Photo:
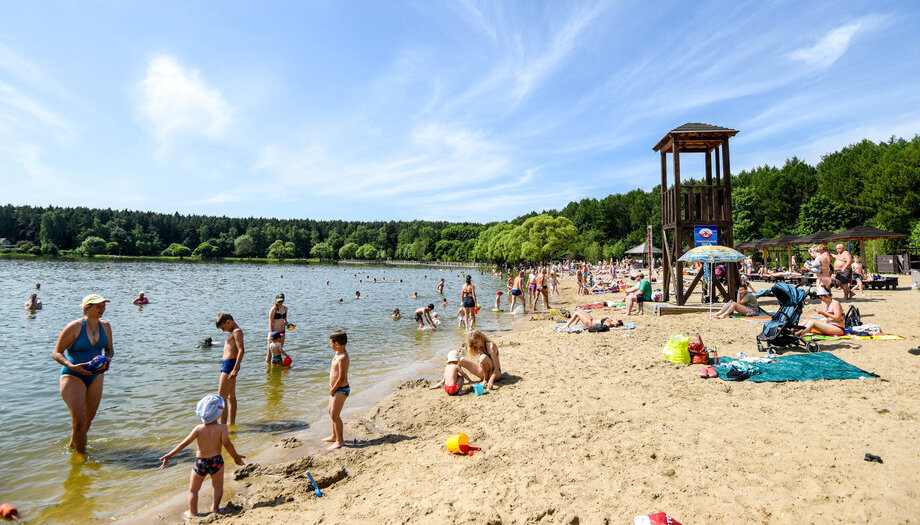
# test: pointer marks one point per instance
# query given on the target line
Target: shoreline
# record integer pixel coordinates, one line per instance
(598, 427)
(291, 446)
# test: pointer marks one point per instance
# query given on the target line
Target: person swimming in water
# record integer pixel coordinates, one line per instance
(396, 314)
(34, 303)
(141, 299)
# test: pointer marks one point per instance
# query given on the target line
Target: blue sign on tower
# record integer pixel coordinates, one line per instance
(705, 235)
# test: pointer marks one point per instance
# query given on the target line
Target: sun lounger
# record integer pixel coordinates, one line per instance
(888, 283)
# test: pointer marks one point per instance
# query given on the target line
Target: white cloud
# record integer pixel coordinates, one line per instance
(830, 48)
(177, 101)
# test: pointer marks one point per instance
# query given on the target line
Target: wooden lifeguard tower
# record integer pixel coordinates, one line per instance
(685, 206)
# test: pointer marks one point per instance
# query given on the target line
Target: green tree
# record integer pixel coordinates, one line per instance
(820, 213)
(244, 246)
(205, 250)
(93, 245)
(348, 251)
(322, 250)
(276, 250)
(112, 248)
(52, 227)
(177, 250)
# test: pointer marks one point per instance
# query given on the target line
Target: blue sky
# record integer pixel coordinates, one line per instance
(433, 110)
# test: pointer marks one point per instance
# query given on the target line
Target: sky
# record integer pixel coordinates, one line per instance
(438, 110)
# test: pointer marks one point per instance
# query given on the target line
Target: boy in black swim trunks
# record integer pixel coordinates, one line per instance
(212, 438)
(338, 387)
(230, 365)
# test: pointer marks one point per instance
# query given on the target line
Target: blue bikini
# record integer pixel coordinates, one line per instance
(82, 351)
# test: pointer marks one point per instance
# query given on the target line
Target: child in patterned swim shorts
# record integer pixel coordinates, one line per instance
(212, 438)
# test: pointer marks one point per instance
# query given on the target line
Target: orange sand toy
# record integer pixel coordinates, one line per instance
(460, 444)
(9, 512)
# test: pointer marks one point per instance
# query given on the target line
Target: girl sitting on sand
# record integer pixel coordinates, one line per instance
(488, 366)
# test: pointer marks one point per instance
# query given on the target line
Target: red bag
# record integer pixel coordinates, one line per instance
(659, 518)
(698, 353)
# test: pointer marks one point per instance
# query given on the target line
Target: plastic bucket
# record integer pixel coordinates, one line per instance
(458, 444)
(479, 388)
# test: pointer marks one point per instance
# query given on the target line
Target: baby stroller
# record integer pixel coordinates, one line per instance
(779, 332)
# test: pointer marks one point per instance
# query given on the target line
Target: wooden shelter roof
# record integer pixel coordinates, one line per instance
(642, 249)
(695, 137)
(859, 233)
(784, 240)
(817, 237)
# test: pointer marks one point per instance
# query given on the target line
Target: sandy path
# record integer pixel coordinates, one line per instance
(597, 428)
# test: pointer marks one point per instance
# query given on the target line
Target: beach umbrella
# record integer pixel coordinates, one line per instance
(711, 254)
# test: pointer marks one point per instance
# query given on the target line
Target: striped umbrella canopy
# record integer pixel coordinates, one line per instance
(712, 254)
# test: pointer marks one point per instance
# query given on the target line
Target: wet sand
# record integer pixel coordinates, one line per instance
(597, 428)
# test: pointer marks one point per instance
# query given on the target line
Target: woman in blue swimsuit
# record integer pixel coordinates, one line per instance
(80, 341)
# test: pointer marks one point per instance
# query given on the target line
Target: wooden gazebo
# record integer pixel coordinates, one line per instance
(686, 206)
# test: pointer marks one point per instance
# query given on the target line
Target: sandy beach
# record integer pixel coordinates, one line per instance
(599, 428)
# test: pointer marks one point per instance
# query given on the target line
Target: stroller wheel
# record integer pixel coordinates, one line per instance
(760, 347)
(811, 347)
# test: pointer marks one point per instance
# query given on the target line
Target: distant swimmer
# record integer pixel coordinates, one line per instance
(38, 286)
(230, 365)
(441, 287)
(341, 300)
(415, 295)
(396, 315)
(77, 350)
(444, 302)
(34, 303)
(327, 283)
(141, 299)
(357, 295)
(206, 343)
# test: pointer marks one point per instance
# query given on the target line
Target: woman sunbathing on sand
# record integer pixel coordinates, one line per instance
(585, 318)
(832, 312)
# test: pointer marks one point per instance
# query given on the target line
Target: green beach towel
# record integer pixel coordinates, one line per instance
(800, 367)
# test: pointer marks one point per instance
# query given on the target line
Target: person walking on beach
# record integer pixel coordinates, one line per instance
(824, 261)
(468, 300)
(212, 438)
(542, 289)
(843, 270)
(516, 291)
(277, 317)
(81, 386)
(230, 365)
(338, 387)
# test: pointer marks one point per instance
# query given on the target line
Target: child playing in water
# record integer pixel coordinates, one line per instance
(453, 375)
(230, 365)
(275, 351)
(396, 315)
(338, 387)
(212, 439)
(498, 301)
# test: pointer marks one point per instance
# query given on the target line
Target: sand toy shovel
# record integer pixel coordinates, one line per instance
(315, 486)
(460, 444)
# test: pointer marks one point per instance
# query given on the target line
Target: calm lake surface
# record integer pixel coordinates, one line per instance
(158, 375)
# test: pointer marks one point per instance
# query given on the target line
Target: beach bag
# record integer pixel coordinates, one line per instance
(599, 328)
(852, 318)
(676, 349)
(698, 353)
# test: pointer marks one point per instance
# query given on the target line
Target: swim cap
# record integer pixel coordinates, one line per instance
(92, 299)
(210, 408)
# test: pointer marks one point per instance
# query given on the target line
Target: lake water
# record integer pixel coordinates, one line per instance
(158, 375)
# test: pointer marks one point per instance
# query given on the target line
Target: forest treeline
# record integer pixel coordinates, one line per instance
(869, 183)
